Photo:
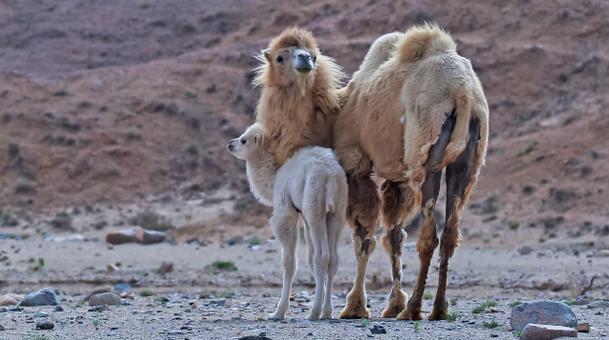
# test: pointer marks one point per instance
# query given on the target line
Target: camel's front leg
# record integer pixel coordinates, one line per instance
(284, 229)
(362, 215)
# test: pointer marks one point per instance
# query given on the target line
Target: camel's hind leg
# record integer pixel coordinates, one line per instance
(335, 225)
(460, 180)
(362, 215)
(428, 240)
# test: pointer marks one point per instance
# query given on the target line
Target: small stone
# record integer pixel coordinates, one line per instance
(111, 268)
(303, 296)
(104, 299)
(378, 329)
(58, 309)
(2, 328)
(41, 314)
(98, 308)
(235, 240)
(43, 297)
(525, 250)
(254, 337)
(166, 267)
(603, 253)
(546, 332)
(122, 288)
(599, 304)
(45, 325)
(10, 299)
(542, 312)
(217, 302)
(583, 327)
(135, 235)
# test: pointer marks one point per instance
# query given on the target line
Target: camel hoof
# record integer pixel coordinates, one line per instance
(409, 315)
(355, 313)
(437, 315)
(396, 304)
(276, 317)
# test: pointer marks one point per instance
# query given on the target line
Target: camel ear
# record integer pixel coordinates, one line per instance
(267, 54)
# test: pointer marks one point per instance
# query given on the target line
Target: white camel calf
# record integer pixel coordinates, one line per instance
(311, 184)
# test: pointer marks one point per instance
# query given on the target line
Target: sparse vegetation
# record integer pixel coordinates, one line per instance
(149, 219)
(146, 292)
(62, 220)
(453, 316)
(366, 322)
(515, 303)
(254, 241)
(453, 301)
(427, 296)
(417, 327)
(490, 324)
(481, 308)
(224, 265)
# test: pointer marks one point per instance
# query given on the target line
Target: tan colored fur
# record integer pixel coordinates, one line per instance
(394, 111)
(297, 111)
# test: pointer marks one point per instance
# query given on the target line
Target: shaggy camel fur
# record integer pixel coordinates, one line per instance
(310, 183)
(299, 100)
(413, 108)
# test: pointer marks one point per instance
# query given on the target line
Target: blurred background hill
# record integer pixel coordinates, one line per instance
(112, 109)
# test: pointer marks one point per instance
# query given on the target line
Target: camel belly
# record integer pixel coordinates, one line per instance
(383, 142)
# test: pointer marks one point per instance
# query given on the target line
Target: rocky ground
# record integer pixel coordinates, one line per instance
(116, 116)
(225, 290)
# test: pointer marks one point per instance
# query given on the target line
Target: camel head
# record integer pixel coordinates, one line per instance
(249, 145)
(290, 60)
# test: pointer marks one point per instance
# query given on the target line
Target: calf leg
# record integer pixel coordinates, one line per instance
(284, 229)
(460, 180)
(362, 214)
(335, 226)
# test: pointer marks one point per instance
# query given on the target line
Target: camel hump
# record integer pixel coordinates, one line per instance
(423, 40)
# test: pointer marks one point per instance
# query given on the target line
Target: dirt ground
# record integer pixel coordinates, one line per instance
(198, 301)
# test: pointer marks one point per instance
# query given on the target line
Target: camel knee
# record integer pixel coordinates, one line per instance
(428, 238)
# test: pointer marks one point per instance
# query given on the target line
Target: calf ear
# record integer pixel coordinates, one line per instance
(258, 139)
(267, 54)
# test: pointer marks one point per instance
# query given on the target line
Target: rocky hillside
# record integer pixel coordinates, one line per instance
(105, 103)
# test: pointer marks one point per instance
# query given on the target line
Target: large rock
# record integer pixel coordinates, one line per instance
(544, 313)
(105, 299)
(43, 297)
(135, 235)
(10, 299)
(546, 332)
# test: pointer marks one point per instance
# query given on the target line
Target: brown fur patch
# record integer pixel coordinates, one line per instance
(296, 114)
(294, 37)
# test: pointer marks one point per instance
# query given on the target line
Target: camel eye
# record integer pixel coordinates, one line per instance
(280, 59)
(243, 141)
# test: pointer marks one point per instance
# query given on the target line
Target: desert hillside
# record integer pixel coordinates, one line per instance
(103, 105)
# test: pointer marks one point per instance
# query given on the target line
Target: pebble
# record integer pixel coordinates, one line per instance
(254, 337)
(378, 329)
(41, 314)
(166, 267)
(135, 235)
(217, 302)
(58, 309)
(43, 297)
(10, 299)
(45, 325)
(104, 299)
(303, 296)
(583, 327)
(599, 304)
(546, 332)
(2, 328)
(122, 288)
(542, 312)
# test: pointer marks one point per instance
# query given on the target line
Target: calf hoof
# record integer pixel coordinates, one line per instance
(276, 316)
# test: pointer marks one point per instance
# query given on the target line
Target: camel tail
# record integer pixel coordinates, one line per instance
(332, 191)
(459, 135)
(423, 40)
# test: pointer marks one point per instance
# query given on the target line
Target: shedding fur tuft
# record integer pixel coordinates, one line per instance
(423, 40)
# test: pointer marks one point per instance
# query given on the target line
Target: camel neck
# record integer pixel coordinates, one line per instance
(261, 172)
